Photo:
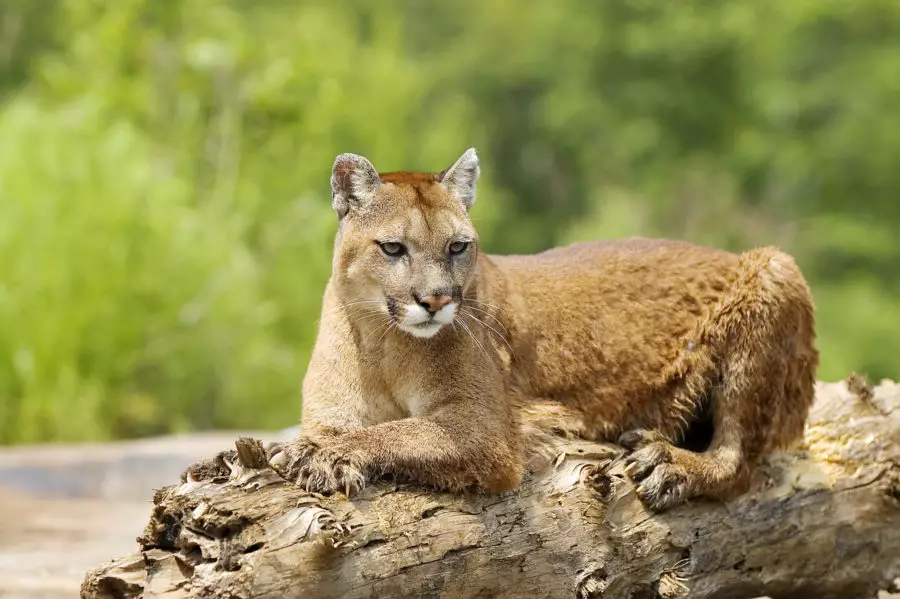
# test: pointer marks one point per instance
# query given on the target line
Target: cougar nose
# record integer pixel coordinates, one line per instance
(433, 303)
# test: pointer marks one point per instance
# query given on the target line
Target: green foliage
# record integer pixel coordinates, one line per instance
(165, 226)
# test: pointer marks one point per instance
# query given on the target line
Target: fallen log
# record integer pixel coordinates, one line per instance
(822, 521)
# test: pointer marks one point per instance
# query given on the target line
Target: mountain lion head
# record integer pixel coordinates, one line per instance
(406, 248)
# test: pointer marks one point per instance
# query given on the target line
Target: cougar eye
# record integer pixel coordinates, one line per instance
(392, 248)
(458, 247)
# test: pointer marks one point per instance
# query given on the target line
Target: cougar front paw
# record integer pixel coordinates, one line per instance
(287, 458)
(661, 482)
(318, 468)
(216, 469)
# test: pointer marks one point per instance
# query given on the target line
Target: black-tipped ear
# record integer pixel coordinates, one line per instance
(460, 178)
(353, 180)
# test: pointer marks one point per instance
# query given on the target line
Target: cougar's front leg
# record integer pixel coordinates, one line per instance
(457, 446)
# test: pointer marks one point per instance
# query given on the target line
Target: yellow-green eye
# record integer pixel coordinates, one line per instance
(458, 247)
(392, 248)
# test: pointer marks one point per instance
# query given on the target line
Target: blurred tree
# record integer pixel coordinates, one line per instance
(165, 229)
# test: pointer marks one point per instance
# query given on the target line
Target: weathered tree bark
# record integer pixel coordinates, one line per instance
(822, 521)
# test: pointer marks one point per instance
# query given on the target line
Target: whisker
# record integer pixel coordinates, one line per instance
(357, 310)
(348, 304)
(484, 324)
(359, 316)
(486, 304)
(393, 324)
(472, 335)
(361, 311)
(387, 322)
(341, 309)
(368, 317)
(494, 318)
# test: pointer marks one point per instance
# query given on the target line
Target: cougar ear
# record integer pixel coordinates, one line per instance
(460, 178)
(353, 181)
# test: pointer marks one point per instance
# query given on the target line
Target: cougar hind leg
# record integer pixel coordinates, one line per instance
(760, 340)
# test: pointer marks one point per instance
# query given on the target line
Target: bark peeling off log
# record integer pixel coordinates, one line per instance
(822, 521)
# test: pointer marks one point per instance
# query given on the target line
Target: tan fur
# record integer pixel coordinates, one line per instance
(617, 340)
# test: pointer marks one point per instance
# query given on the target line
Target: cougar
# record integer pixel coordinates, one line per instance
(440, 364)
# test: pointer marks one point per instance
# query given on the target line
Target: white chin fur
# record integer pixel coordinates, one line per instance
(418, 324)
(422, 331)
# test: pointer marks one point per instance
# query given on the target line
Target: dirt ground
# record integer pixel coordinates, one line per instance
(67, 508)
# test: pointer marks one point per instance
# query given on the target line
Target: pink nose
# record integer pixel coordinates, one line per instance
(433, 303)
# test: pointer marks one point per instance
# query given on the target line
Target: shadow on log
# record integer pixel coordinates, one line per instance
(822, 521)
